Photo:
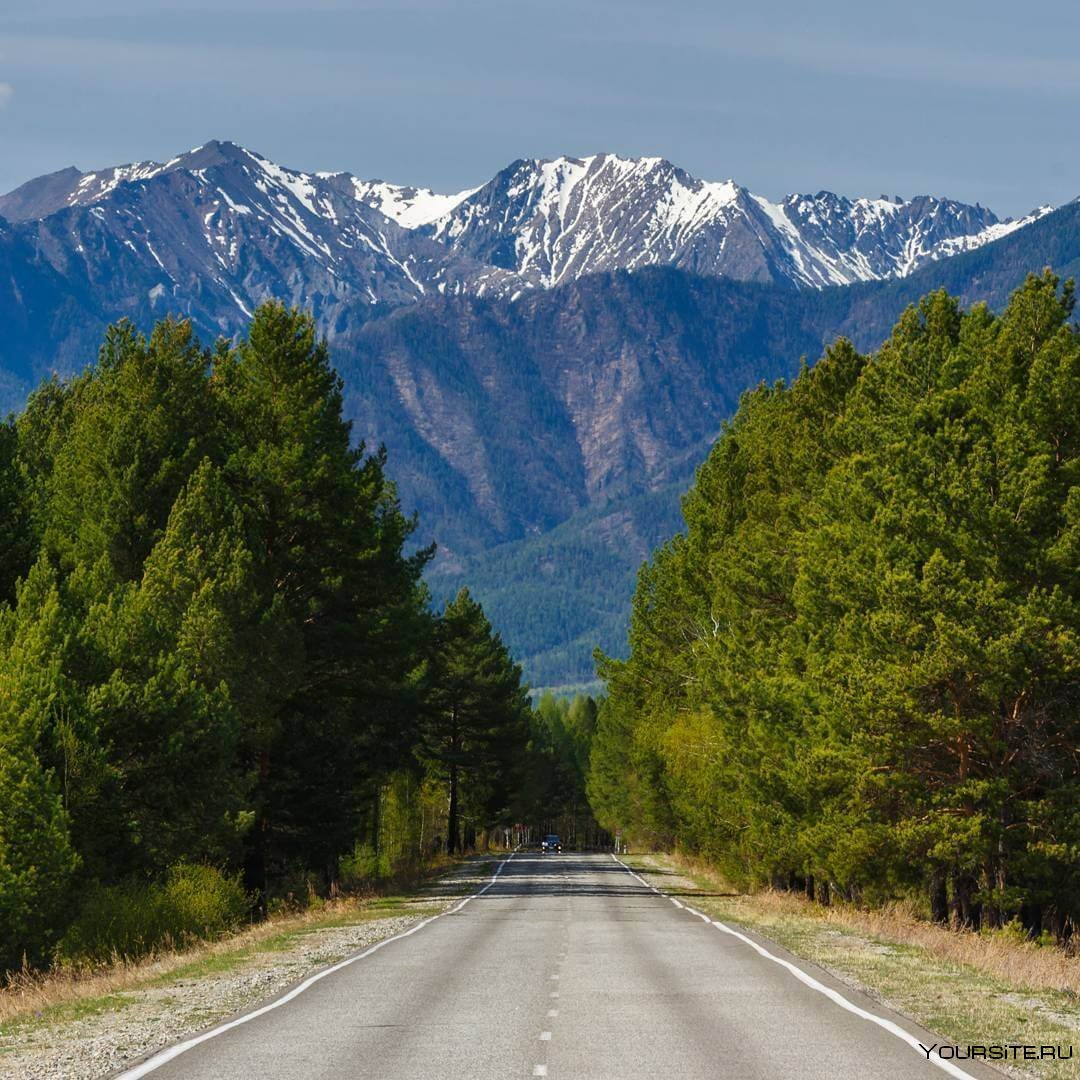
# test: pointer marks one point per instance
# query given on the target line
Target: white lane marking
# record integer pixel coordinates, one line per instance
(821, 988)
(545, 1036)
(554, 978)
(539, 1070)
(553, 1013)
(171, 1052)
(554, 994)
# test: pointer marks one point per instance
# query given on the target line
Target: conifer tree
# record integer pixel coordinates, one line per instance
(477, 730)
(16, 539)
(343, 613)
(179, 647)
(135, 432)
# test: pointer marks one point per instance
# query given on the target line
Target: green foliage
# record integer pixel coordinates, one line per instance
(556, 597)
(36, 859)
(563, 731)
(16, 540)
(859, 665)
(195, 902)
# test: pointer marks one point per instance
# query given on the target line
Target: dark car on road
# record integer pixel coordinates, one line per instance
(551, 843)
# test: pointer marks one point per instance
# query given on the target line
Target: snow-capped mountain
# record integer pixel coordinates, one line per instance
(552, 221)
(215, 231)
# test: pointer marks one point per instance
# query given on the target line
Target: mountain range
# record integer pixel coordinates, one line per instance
(547, 356)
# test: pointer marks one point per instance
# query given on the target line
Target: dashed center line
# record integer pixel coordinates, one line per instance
(539, 1070)
(545, 1036)
(553, 1013)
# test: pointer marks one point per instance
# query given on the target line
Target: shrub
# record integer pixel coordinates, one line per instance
(194, 902)
(362, 868)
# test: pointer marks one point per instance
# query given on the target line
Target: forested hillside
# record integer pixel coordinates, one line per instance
(220, 678)
(857, 672)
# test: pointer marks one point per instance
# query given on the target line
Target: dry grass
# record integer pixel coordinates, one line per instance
(30, 993)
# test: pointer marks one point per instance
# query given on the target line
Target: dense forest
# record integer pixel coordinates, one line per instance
(221, 679)
(857, 671)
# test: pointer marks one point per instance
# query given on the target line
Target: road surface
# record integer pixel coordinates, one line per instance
(567, 966)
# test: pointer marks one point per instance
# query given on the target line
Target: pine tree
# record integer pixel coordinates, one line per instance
(343, 610)
(135, 431)
(179, 647)
(477, 730)
(16, 538)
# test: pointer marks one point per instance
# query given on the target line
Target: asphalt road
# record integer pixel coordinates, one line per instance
(567, 966)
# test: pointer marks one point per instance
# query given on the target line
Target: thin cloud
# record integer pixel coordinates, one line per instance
(6, 92)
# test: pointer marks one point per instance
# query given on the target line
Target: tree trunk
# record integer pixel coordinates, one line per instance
(823, 893)
(966, 913)
(994, 873)
(1062, 926)
(1031, 916)
(452, 817)
(255, 870)
(810, 891)
(939, 896)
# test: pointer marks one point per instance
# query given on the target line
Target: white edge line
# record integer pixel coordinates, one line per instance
(809, 980)
(167, 1055)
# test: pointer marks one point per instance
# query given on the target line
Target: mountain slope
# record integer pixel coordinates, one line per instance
(213, 233)
(505, 418)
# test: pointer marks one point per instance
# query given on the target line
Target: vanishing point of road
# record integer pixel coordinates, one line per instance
(569, 967)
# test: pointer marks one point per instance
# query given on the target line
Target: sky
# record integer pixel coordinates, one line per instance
(973, 99)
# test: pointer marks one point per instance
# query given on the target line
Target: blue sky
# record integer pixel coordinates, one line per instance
(973, 100)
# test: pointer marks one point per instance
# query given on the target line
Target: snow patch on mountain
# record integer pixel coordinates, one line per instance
(410, 207)
(992, 232)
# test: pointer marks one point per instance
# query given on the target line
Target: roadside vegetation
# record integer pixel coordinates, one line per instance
(67, 991)
(856, 675)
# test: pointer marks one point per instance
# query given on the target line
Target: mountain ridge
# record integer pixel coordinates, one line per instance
(536, 223)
